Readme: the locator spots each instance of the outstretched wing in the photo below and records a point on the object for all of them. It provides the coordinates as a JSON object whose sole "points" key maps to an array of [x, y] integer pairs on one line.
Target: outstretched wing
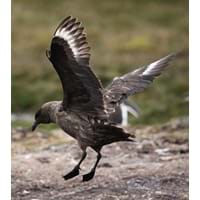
{"points": [[133, 82], [69, 54]]}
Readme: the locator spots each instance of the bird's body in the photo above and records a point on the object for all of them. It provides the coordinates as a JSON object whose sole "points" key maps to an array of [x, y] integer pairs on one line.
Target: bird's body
{"points": [[88, 131], [87, 108]]}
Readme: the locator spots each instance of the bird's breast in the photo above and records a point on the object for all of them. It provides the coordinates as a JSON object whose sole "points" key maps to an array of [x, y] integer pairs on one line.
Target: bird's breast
{"points": [[71, 123]]}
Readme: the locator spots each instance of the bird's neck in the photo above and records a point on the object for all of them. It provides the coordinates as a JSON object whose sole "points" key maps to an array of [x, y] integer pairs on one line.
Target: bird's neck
{"points": [[53, 109]]}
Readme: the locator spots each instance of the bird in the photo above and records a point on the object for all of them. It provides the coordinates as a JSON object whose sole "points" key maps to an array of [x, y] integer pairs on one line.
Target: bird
{"points": [[120, 116], [85, 111]]}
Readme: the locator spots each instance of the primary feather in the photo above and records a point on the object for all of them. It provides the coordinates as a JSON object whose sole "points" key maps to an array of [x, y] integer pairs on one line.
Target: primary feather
{"points": [[73, 33]]}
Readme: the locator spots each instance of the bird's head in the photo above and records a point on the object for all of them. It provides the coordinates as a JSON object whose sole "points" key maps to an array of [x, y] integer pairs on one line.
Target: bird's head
{"points": [[42, 116]]}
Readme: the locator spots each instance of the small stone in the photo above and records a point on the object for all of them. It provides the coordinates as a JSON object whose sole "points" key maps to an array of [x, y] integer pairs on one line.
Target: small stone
{"points": [[25, 192], [106, 165], [146, 147], [162, 151]]}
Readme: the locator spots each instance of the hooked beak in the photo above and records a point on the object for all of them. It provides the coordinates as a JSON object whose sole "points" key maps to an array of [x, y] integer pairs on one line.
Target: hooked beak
{"points": [[34, 126]]}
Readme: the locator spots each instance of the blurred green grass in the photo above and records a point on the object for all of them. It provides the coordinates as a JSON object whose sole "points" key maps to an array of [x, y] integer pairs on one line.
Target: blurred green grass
{"points": [[123, 35]]}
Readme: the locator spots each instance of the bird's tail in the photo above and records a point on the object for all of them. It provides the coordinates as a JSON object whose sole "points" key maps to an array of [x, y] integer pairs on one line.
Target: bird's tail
{"points": [[114, 134]]}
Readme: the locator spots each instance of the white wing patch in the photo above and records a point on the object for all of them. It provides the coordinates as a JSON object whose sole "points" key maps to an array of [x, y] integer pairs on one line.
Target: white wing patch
{"points": [[150, 68], [155, 68], [72, 32], [69, 38]]}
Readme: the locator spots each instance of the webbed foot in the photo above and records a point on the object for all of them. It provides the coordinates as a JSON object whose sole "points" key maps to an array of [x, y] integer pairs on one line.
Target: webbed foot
{"points": [[88, 176], [72, 174]]}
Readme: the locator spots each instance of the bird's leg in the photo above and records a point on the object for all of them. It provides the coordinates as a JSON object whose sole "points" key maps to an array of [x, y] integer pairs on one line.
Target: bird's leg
{"points": [[75, 171], [90, 175]]}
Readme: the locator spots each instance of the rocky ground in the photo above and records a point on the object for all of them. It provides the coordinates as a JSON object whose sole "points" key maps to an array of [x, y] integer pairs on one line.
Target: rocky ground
{"points": [[155, 167]]}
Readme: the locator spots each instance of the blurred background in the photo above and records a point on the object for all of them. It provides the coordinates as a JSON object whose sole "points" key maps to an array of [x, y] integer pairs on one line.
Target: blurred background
{"points": [[124, 35]]}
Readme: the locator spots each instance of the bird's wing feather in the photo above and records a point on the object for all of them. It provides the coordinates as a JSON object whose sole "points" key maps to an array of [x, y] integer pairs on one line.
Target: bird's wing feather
{"points": [[133, 82], [69, 54]]}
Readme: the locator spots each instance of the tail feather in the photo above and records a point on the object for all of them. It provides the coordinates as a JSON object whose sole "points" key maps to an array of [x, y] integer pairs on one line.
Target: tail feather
{"points": [[113, 134]]}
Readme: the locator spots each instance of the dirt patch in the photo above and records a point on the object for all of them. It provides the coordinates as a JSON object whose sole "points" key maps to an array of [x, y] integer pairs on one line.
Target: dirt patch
{"points": [[155, 167]]}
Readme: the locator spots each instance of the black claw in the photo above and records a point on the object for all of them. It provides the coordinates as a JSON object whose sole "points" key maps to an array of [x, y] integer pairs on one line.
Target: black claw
{"points": [[88, 176], [71, 174]]}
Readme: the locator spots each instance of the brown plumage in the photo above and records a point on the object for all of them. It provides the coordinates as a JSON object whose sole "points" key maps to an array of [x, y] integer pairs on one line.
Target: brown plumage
{"points": [[86, 109]]}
